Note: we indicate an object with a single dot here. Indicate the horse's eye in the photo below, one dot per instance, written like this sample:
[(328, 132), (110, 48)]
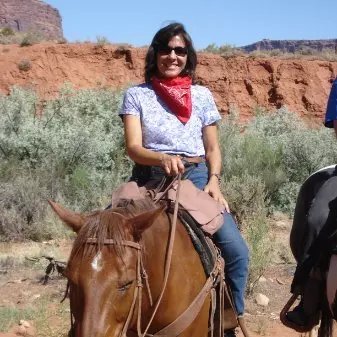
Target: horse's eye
[(125, 286)]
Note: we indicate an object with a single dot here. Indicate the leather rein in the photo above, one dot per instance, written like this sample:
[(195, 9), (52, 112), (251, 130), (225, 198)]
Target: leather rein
[(187, 317)]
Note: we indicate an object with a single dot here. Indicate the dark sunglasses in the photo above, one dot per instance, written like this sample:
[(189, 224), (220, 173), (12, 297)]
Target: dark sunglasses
[(166, 50)]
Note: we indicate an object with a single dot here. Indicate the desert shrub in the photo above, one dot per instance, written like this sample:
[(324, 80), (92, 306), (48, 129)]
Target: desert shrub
[(245, 194), (259, 240), (24, 65), (211, 48), (226, 50), (264, 164), (11, 39), (326, 54), (305, 50), (30, 38), (23, 210), (251, 154), (306, 152), (72, 153), (279, 150), (102, 40), (62, 41), (7, 31), (275, 123)]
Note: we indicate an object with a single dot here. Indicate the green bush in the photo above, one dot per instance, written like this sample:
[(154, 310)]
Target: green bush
[(259, 240), (24, 65), (7, 31), (73, 153), (24, 208), (102, 40), (278, 150), (30, 38), (226, 50)]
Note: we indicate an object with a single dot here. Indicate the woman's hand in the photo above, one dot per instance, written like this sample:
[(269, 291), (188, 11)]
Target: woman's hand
[(213, 189), (172, 165)]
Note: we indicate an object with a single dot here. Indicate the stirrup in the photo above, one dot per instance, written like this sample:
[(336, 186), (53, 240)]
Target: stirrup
[(290, 324)]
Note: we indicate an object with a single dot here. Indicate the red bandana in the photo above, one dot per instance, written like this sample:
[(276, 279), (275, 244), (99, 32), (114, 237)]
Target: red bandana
[(176, 94)]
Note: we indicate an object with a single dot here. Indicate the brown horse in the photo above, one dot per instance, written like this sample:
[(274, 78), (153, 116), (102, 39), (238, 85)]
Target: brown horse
[(103, 271)]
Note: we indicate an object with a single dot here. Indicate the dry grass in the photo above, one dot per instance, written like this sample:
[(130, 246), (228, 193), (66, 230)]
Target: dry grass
[(306, 53), (22, 38), (261, 326), (23, 254), (49, 317)]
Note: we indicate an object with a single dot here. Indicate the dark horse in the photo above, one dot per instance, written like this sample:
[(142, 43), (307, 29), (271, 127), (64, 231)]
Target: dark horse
[(116, 250), (313, 241)]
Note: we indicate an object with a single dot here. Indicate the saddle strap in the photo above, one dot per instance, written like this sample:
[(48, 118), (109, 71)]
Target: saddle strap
[(189, 315), (167, 262)]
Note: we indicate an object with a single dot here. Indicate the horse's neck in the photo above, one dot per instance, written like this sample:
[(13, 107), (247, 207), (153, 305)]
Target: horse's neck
[(155, 244), (186, 271)]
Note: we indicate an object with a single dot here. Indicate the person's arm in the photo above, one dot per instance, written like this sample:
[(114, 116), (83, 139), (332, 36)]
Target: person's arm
[(331, 109), (213, 159), (134, 146)]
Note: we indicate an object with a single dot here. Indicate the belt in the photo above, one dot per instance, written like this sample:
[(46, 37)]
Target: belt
[(193, 160)]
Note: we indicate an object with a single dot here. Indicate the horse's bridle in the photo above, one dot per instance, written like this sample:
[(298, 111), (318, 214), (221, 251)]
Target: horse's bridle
[(141, 275)]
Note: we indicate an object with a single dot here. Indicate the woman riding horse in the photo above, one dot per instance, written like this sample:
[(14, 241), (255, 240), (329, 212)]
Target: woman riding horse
[(117, 268), (170, 128)]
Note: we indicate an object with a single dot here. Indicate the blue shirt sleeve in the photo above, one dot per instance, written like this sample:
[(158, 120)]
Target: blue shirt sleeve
[(331, 110)]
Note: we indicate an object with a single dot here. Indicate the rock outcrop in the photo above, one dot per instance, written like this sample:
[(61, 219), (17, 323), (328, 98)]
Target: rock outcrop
[(242, 82), (31, 15), (291, 46)]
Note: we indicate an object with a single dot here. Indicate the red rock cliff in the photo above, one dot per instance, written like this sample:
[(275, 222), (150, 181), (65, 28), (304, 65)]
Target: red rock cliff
[(31, 15), (303, 86)]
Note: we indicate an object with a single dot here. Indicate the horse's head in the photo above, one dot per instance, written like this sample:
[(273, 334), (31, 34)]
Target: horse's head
[(102, 268)]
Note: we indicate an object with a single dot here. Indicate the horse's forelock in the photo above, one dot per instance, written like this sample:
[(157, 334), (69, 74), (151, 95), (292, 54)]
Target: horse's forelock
[(109, 224)]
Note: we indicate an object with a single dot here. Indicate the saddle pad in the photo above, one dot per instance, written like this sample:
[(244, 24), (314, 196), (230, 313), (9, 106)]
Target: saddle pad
[(201, 245), (199, 204)]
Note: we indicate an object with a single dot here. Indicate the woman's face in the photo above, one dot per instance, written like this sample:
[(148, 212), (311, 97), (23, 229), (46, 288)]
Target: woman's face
[(171, 59)]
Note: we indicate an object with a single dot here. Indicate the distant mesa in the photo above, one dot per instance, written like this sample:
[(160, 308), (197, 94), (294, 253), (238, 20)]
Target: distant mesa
[(31, 15), (291, 46)]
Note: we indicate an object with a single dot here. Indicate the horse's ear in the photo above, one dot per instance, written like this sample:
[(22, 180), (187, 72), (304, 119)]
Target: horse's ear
[(71, 219), (144, 220)]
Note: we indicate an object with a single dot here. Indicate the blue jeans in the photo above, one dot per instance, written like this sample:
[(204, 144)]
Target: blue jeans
[(228, 238)]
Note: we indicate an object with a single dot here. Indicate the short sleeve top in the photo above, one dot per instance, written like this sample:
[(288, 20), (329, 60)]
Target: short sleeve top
[(162, 131), (331, 110)]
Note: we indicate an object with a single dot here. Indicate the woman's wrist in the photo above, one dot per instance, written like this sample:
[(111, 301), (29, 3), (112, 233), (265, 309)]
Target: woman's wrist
[(163, 158), (215, 176)]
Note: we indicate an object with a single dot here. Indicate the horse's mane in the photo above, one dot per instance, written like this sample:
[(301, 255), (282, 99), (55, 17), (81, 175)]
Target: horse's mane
[(109, 224)]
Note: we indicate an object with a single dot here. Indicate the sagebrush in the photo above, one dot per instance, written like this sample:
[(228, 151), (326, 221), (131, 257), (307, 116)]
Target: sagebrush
[(71, 149)]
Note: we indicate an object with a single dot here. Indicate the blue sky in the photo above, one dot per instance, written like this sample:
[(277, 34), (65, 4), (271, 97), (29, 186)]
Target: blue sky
[(236, 22)]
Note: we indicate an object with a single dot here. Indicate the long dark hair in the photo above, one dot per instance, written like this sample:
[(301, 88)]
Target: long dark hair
[(163, 37)]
